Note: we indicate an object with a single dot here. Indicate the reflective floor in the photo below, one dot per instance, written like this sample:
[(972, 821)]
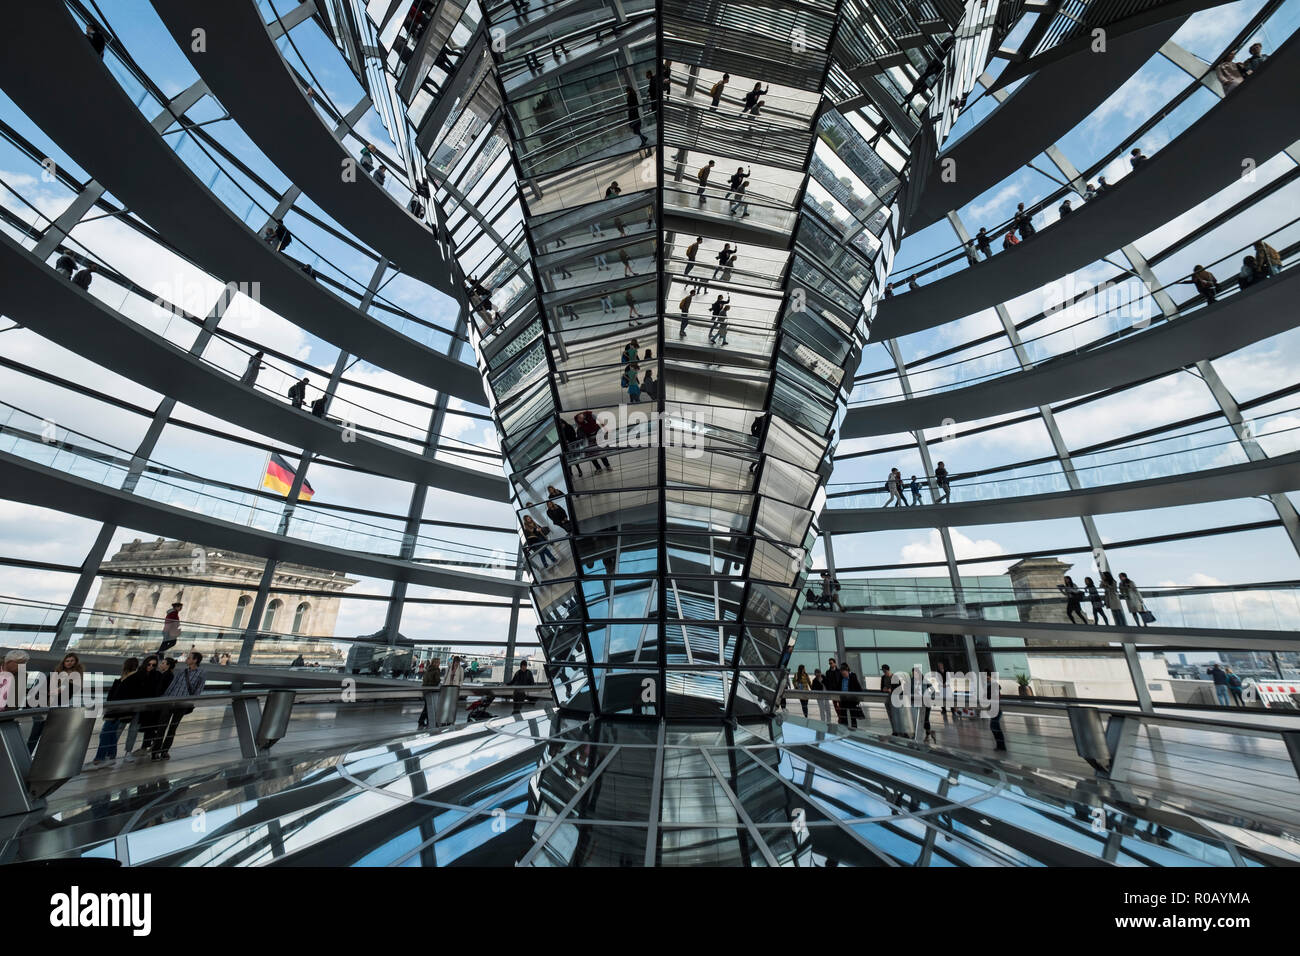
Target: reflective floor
[(535, 789)]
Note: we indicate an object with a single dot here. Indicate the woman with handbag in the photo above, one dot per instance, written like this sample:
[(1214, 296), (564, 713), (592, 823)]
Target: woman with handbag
[(1133, 598)]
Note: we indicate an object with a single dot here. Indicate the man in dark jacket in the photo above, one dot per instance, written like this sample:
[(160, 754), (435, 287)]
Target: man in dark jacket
[(848, 682), (523, 678)]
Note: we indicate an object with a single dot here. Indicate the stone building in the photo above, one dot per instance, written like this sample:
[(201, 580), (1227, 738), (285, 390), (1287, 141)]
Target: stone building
[(127, 614)]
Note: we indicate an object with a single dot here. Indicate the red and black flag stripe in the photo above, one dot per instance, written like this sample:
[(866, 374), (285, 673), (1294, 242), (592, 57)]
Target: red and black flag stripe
[(279, 477)]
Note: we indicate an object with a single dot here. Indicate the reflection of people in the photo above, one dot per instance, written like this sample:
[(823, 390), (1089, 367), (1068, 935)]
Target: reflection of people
[(432, 678), (887, 684), (1234, 687), (823, 705), (920, 688), (1220, 678), (802, 681)]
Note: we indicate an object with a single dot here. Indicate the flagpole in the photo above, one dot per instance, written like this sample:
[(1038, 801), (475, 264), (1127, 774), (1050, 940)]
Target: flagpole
[(260, 479)]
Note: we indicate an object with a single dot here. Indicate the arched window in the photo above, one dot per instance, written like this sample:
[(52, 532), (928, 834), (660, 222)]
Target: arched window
[(241, 608), (298, 616), (268, 619), (130, 599), (153, 601)]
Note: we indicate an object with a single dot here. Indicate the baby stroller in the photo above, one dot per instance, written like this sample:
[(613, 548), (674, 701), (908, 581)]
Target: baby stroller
[(478, 709)]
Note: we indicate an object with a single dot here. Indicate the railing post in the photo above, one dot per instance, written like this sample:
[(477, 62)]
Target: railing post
[(1121, 739), (248, 715), (15, 763), (275, 718), (1089, 737), (62, 750), (1139, 678)]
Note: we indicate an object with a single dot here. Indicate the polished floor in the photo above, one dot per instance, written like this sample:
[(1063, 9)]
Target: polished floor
[(532, 789)]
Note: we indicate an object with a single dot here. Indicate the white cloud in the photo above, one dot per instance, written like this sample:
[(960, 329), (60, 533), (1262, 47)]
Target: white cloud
[(1197, 579), (930, 551)]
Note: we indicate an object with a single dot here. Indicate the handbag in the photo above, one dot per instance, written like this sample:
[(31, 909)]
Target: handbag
[(1147, 616)]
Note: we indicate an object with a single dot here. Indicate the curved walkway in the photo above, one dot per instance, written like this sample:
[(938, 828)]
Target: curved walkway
[(52, 306), (1271, 476), (1257, 313), (44, 487), (80, 105), (1084, 40), (243, 68), (1045, 108), (1204, 159), (1216, 638)]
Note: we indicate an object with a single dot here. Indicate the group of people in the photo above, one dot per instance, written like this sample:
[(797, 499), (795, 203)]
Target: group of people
[(894, 486), (1264, 264), (536, 534), (158, 676), (848, 708), (1109, 597), (455, 678), (67, 266), (1226, 683), (737, 185), (632, 381), (753, 102), (582, 434), (719, 310), (378, 172), (1232, 74)]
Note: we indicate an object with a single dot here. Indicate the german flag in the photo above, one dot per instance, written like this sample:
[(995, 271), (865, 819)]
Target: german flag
[(279, 477)]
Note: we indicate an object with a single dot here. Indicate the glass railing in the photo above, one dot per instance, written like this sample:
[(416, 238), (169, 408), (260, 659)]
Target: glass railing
[(753, 209), (1265, 607), (255, 213), (1181, 462), (169, 321), (33, 625), (39, 441), (1123, 316)]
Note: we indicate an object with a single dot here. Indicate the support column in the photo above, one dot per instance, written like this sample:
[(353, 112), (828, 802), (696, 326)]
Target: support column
[(840, 652), (58, 230)]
